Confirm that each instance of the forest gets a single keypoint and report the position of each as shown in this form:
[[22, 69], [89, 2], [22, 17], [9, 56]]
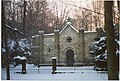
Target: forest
[[21, 19]]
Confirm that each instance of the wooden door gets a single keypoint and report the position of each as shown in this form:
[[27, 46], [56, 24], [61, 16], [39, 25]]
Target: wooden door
[[69, 57]]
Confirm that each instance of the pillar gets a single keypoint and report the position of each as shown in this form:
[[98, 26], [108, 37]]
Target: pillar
[[57, 46], [41, 47], [54, 68], [81, 45], [24, 67]]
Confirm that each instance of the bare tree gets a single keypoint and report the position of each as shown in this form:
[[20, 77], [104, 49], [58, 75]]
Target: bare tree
[[5, 37], [98, 18], [83, 19], [61, 13]]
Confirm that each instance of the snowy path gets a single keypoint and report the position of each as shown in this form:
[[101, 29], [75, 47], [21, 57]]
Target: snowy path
[[68, 74]]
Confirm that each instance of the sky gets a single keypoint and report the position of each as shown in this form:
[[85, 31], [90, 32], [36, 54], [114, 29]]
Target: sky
[[82, 3], [70, 3], [61, 6]]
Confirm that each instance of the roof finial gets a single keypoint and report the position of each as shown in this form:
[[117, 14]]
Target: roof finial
[[69, 20]]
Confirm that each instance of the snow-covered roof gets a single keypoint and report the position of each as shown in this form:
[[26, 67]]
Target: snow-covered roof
[[56, 30], [35, 36], [44, 35], [34, 46], [68, 25], [54, 57], [48, 34], [41, 31], [89, 31]]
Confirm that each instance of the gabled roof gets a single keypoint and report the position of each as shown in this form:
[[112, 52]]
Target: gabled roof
[[50, 34], [68, 25]]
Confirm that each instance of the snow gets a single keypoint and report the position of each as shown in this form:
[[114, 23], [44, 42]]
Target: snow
[[64, 73], [73, 28], [82, 28], [97, 57], [54, 57], [35, 36], [11, 27], [105, 55], [99, 48], [96, 42], [101, 39], [23, 43], [15, 29], [34, 46], [118, 51], [41, 31], [48, 34], [92, 52], [29, 53], [3, 50], [68, 25], [11, 44], [117, 41], [56, 30], [21, 58], [90, 31], [101, 57]]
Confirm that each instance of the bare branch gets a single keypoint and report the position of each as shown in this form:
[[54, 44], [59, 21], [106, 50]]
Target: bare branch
[[81, 7]]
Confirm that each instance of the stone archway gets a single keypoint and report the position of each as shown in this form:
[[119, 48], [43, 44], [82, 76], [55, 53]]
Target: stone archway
[[69, 57]]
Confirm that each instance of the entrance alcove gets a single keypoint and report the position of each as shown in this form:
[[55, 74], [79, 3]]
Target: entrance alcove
[[69, 57]]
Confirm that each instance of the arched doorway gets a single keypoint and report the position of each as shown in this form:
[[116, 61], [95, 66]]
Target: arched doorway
[[69, 57]]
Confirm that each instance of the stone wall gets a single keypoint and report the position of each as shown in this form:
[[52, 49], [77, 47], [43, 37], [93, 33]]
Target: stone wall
[[80, 42], [41, 47], [89, 36], [49, 47], [57, 45]]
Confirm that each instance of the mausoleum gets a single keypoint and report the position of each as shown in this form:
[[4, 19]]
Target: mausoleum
[[69, 45]]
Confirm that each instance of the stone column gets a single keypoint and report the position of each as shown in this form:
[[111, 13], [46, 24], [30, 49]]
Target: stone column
[[100, 32], [81, 45], [57, 46], [23, 67], [41, 47], [54, 68]]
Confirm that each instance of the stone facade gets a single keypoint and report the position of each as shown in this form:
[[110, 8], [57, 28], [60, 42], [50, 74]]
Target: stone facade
[[58, 43]]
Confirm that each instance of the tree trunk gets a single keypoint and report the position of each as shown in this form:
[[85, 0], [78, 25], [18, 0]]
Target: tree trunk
[[111, 45], [118, 2], [4, 32], [24, 18]]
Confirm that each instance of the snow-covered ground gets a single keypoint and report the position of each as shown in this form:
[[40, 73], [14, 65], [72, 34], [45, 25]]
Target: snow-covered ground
[[45, 73]]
